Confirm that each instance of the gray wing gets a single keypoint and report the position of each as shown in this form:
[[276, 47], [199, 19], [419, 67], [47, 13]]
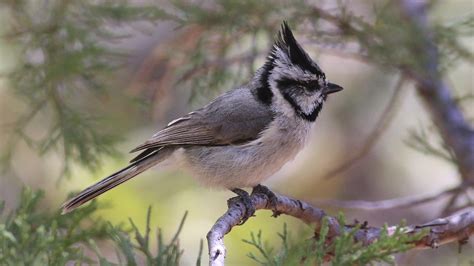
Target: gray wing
[[234, 117]]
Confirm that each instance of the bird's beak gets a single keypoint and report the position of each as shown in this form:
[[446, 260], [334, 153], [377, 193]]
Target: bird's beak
[[332, 88]]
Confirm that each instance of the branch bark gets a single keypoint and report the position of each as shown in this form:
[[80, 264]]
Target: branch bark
[[380, 127], [436, 94], [405, 202], [457, 227]]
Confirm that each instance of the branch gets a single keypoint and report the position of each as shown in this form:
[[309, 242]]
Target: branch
[[410, 201], [457, 227], [436, 94], [382, 124]]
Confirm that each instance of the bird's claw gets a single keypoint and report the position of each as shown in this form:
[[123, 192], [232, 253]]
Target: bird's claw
[[272, 198], [243, 198]]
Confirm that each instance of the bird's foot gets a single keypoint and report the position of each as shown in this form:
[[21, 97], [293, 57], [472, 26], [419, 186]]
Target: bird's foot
[[272, 202], [244, 198]]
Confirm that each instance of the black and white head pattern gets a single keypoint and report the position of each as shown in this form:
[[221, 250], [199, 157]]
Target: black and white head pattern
[[291, 78]]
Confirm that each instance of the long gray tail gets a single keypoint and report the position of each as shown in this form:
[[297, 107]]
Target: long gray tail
[[116, 179]]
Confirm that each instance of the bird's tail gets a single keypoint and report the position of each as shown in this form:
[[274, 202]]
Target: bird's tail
[[116, 179]]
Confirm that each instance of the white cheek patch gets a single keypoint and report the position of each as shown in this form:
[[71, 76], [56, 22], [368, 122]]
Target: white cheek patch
[[308, 104]]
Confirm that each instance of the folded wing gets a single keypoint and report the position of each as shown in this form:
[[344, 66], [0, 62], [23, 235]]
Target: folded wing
[[233, 118]]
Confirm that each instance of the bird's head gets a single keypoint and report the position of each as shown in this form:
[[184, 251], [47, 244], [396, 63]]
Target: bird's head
[[291, 80]]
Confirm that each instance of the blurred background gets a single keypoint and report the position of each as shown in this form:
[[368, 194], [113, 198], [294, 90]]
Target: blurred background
[[84, 82]]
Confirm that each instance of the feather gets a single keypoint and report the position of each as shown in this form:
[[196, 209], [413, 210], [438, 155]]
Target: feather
[[234, 117], [116, 179]]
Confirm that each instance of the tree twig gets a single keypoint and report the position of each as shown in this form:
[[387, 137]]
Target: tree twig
[[436, 94], [394, 203], [457, 227], [382, 124]]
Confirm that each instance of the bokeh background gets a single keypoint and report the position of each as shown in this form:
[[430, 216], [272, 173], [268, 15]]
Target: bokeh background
[[166, 69]]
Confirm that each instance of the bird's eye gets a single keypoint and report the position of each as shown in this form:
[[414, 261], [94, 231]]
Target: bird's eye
[[309, 86], [287, 83], [312, 85]]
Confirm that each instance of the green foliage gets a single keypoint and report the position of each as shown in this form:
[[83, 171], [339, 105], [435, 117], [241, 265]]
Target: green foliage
[[341, 250], [268, 253], [166, 254], [427, 142], [450, 37], [65, 59], [30, 237], [349, 253]]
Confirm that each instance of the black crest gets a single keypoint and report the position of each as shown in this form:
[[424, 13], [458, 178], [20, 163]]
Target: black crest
[[287, 43]]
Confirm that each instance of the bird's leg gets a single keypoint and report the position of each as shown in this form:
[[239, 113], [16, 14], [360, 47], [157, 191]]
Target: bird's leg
[[272, 198], [245, 199]]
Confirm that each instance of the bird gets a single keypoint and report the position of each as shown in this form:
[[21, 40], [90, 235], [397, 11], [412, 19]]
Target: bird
[[243, 136]]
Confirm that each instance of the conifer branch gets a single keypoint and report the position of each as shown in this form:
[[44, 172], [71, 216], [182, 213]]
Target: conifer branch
[[436, 94], [455, 228], [403, 202]]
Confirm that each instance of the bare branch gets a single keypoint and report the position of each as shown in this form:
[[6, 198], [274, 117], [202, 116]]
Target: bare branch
[[394, 203], [436, 94], [382, 124], [457, 227]]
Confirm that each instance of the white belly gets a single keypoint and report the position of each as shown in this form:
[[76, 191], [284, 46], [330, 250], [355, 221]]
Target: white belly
[[247, 165]]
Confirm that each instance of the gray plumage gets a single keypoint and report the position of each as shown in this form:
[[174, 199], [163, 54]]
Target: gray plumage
[[219, 123], [243, 136]]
